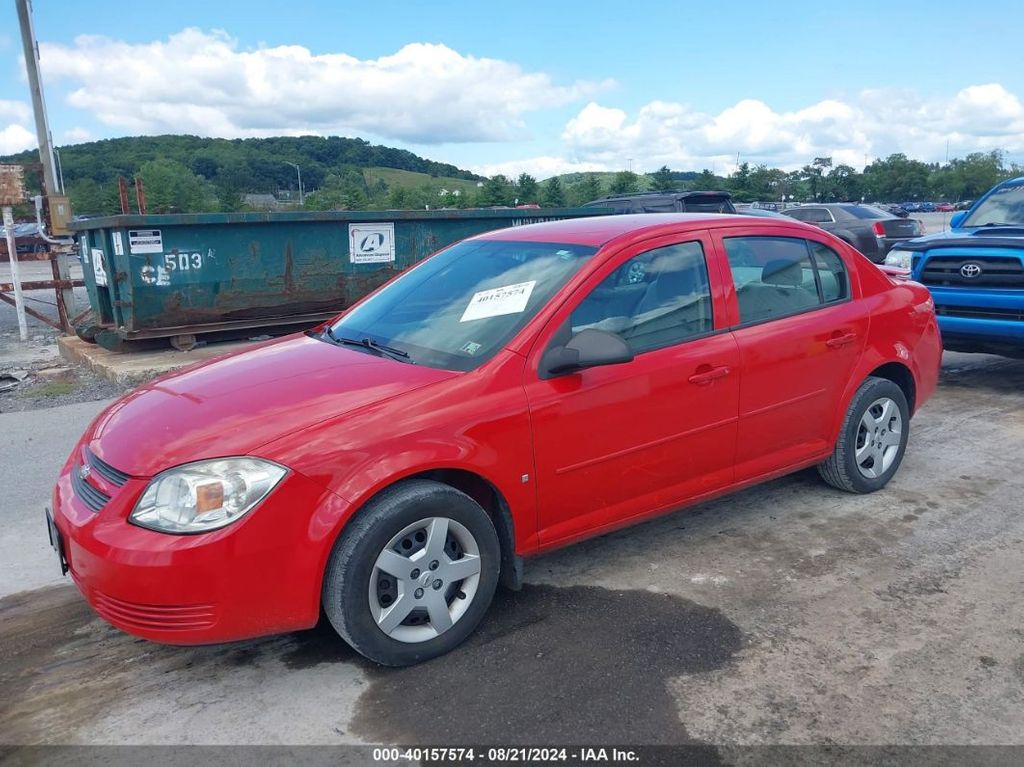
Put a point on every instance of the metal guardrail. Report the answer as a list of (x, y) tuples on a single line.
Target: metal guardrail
[(64, 321)]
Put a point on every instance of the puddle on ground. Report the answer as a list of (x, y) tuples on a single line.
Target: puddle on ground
[(982, 372), (548, 665), (555, 665)]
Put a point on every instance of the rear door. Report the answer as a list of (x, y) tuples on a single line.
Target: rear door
[(800, 331), (621, 441)]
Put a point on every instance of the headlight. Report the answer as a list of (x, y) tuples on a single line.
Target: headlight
[(205, 495), (899, 258)]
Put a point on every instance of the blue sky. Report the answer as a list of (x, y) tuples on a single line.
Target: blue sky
[(537, 87)]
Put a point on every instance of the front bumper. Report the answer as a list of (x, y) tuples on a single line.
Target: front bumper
[(260, 575), (986, 321)]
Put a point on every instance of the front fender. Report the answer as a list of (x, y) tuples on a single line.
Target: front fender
[(476, 423)]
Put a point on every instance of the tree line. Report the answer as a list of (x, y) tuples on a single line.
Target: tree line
[(187, 174), (896, 178)]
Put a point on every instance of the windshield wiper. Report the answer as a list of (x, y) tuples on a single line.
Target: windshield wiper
[(369, 343)]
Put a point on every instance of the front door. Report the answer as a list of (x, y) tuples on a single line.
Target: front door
[(622, 441)]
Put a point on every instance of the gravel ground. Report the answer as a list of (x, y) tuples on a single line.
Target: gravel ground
[(50, 380), (60, 383), (789, 613)]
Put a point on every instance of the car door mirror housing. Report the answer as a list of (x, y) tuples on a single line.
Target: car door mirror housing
[(587, 349), (956, 219)]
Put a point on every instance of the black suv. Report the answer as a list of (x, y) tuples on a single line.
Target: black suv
[(666, 202)]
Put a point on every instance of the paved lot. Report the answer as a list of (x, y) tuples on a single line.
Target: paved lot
[(789, 613)]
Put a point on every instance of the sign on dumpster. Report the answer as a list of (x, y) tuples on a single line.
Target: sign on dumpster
[(371, 243)]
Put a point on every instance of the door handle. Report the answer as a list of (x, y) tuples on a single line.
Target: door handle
[(839, 341), (706, 374)]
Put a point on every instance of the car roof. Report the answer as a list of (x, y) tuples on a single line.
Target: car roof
[(597, 230)]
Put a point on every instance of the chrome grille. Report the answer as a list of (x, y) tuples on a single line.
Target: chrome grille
[(92, 497), (996, 272), (105, 470)]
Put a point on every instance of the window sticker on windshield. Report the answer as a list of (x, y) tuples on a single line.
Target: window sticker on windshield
[(470, 348), (510, 299)]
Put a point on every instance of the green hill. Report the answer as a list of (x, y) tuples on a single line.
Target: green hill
[(194, 173), (407, 179)]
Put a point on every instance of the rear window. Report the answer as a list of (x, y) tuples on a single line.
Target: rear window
[(708, 203), (661, 206), (867, 211)]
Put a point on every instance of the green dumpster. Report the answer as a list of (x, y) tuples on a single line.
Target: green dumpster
[(176, 276)]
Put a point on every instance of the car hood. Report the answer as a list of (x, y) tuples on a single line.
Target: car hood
[(232, 405), (974, 237)]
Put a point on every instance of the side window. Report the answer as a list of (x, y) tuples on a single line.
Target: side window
[(799, 214), (819, 216), (835, 284), (773, 276), (656, 299)]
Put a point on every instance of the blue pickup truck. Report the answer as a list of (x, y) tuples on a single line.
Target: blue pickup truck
[(975, 272)]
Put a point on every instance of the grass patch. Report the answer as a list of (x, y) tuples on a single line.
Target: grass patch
[(408, 179), (53, 389)]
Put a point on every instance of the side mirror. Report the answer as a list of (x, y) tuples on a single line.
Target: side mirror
[(956, 219), (587, 349)]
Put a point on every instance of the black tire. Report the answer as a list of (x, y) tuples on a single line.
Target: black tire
[(841, 469), (345, 594)]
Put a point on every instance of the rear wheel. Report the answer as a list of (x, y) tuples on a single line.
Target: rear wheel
[(872, 440), (412, 576)]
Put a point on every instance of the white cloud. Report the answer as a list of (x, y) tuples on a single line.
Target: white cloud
[(77, 135), (875, 124), (15, 135), (16, 138), (202, 82), (538, 167)]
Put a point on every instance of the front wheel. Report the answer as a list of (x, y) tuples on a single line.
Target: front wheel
[(413, 574), (872, 440)]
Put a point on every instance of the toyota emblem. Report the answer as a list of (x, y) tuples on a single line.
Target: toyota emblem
[(970, 271)]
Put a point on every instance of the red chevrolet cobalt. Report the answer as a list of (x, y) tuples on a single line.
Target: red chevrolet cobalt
[(516, 392)]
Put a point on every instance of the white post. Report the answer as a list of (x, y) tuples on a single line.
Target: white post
[(12, 251)]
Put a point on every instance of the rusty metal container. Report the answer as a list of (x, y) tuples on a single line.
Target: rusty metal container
[(177, 276)]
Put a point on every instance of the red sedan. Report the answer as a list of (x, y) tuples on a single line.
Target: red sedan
[(515, 392)]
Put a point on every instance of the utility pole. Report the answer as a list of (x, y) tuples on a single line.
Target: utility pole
[(298, 172), (35, 84), (60, 169), (28, 40)]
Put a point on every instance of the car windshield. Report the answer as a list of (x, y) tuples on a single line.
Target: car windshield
[(456, 309), (1003, 206)]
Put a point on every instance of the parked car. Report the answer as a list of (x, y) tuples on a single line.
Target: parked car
[(666, 202), (945, 207), (869, 229), (761, 213), (896, 210), (975, 271), (516, 392)]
